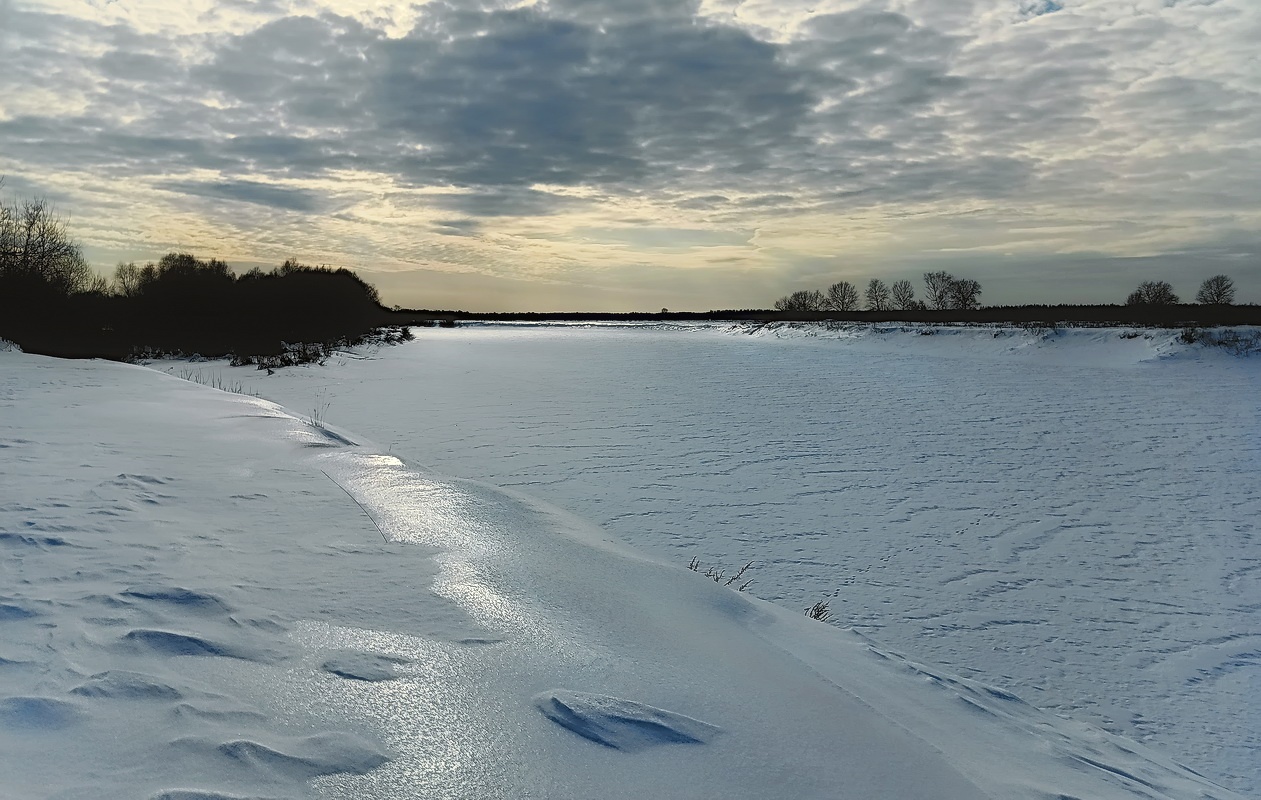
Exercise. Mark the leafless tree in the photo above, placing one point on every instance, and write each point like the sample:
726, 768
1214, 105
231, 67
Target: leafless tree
1152, 293
36, 249
842, 296
946, 291
878, 297
903, 295
804, 300
127, 280
1217, 290
937, 288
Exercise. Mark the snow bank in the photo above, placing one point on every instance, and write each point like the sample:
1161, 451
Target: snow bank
1067, 345
206, 606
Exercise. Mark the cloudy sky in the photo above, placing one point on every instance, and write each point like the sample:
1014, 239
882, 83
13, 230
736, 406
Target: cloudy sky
639, 154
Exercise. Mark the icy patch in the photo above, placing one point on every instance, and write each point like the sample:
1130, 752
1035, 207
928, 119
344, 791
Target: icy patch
621, 724
362, 666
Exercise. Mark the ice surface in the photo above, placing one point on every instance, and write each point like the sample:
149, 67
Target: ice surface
209, 566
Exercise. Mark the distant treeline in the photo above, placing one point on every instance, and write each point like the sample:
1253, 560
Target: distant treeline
1168, 316
52, 303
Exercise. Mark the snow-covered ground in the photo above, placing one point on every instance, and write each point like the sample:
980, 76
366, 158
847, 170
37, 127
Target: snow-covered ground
201, 596
1069, 514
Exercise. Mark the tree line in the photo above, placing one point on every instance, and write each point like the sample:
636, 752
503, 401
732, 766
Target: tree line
51, 301
945, 292
942, 291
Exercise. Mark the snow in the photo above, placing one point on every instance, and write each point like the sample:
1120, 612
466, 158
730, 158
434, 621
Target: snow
621, 724
204, 596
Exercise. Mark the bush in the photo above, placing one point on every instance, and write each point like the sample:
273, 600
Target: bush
1230, 340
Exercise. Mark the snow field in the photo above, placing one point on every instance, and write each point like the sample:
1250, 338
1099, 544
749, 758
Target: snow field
205, 597
1067, 514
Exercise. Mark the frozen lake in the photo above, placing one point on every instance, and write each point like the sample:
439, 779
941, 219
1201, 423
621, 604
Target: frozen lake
1070, 519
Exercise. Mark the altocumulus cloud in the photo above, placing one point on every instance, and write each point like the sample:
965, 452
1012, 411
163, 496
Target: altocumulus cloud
247, 192
770, 144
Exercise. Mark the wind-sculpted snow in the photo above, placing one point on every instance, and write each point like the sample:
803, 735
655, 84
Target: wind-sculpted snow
621, 724
232, 613
124, 685
33, 714
363, 666
301, 757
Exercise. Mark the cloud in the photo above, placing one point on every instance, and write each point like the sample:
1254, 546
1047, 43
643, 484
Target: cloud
498, 137
657, 239
247, 192
457, 227
502, 202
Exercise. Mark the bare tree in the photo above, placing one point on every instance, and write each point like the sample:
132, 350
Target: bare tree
1152, 293
842, 296
964, 294
903, 295
1218, 290
946, 291
937, 288
878, 297
803, 300
97, 284
127, 280
36, 250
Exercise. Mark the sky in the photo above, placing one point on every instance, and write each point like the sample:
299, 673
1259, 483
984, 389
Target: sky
643, 154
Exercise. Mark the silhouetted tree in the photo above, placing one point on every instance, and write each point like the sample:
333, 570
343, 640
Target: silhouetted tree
964, 293
937, 288
1217, 290
1152, 293
804, 300
97, 285
842, 296
945, 291
128, 280
903, 295
878, 297
37, 255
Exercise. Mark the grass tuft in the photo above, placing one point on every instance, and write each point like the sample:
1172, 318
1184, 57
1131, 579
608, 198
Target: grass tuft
215, 381
720, 575
819, 611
